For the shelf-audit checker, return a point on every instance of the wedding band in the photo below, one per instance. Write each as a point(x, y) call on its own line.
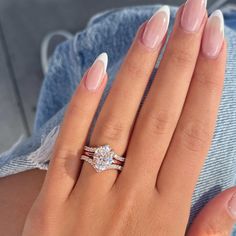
point(102, 158)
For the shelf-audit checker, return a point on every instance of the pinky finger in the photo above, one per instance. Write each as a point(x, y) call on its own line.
point(65, 165)
point(217, 217)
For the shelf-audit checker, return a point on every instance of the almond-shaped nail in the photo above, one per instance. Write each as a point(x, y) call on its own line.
point(193, 15)
point(232, 206)
point(96, 72)
point(156, 28)
point(213, 37)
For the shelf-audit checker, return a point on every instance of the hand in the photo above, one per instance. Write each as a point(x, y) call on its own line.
point(164, 144)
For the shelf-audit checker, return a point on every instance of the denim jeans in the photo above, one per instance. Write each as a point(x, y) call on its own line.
point(113, 31)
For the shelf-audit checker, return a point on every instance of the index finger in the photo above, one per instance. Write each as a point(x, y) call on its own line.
point(65, 164)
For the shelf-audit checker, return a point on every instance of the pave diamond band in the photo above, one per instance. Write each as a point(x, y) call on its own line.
point(110, 167)
point(102, 158)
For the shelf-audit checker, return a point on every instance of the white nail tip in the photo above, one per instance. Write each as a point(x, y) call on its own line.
point(219, 14)
point(166, 10)
point(103, 57)
point(205, 2)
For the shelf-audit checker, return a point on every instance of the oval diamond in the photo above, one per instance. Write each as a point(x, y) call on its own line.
point(103, 157)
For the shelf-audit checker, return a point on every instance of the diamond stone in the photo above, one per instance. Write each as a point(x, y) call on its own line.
point(103, 158)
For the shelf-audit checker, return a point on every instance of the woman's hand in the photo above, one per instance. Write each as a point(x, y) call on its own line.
point(164, 144)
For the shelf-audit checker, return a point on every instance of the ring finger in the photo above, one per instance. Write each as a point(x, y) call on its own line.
point(116, 119)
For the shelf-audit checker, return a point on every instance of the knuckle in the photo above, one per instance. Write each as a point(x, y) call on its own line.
point(75, 108)
point(212, 228)
point(181, 58)
point(161, 122)
point(65, 160)
point(128, 200)
point(113, 129)
point(127, 205)
point(64, 154)
point(195, 136)
point(136, 69)
point(208, 81)
point(128, 197)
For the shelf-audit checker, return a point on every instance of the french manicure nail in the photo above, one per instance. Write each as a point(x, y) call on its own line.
point(232, 206)
point(213, 35)
point(193, 14)
point(156, 28)
point(96, 72)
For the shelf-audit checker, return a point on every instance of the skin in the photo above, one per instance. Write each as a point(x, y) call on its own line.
point(18, 193)
point(165, 151)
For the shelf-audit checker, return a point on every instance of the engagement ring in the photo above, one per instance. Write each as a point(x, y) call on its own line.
point(102, 158)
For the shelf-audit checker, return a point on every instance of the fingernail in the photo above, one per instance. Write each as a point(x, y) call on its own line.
point(193, 14)
point(213, 37)
point(232, 206)
point(96, 72)
point(156, 28)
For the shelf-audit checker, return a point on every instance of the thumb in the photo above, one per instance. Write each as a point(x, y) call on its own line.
point(217, 218)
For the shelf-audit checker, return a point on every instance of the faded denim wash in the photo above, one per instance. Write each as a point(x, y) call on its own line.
point(113, 31)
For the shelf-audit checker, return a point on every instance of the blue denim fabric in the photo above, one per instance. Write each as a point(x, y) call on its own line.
point(113, 31)
point(230, 19)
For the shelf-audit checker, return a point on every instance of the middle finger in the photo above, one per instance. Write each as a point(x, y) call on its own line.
point(162, 108)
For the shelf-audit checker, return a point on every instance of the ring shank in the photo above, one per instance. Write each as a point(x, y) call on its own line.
point(90, 161)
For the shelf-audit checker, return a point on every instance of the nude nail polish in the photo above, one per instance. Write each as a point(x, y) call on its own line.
point(232, 206)
point(213, 35)
point(156, 28)
point(96, 72)
point(193, 15)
